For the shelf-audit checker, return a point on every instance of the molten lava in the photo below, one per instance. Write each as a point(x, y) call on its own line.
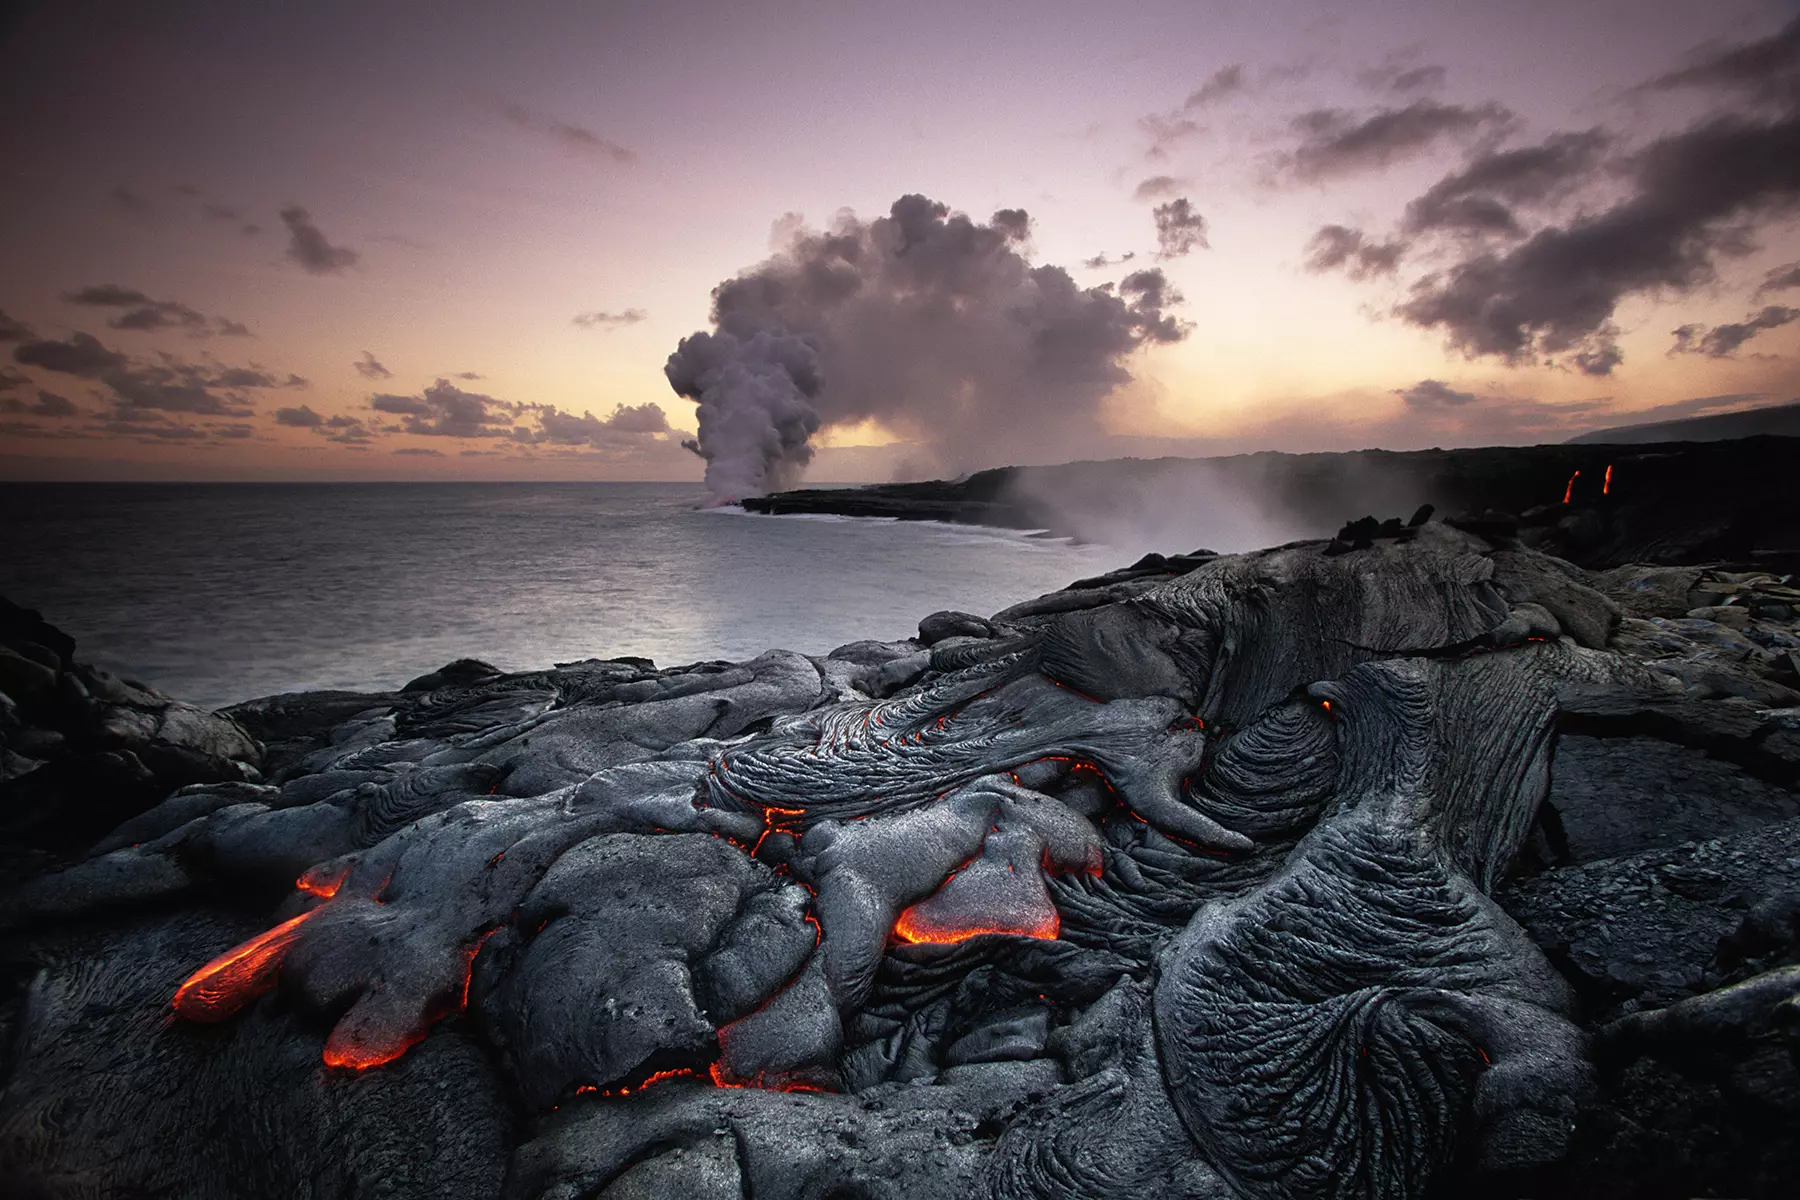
point(1606, 484)
point(1569, 491)
point(348, 1051)
point(322, 882)
point(235, 978)
point(918, 930)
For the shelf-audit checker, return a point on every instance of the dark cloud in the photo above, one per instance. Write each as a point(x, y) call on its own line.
point(1158, 187)
point(82, 355)
point(1179, 229)
point(47, 404)
point(299, 418)
point(1778, 279)
point(13, 331)
point(1433, 395)
point(468, 375)
point(1166, 131)
point(309, 247)
point(1767, 69)
point(172, 388)
point(1481, 197)
point(1722, 341)
point(1690, 197)
point(12, 381)
point(225, 327)
point(370, 367)
point(1100, 261)
point(1394, 77)
point(1336, 142)
point(1338, 247)
point(927, 321)
point(142, 313)
point(623, 424)
point(142, 430)
point(610, 320)
point(130, 201)
point(421, 451)
point(575, 137)
point(233, 432)
point(1015, 223)
point(445, 410)
point(1226, 81)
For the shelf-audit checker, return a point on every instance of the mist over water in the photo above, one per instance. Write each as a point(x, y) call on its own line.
point(220, 593)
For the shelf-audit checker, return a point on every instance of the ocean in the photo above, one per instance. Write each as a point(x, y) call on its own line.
point(217, 593)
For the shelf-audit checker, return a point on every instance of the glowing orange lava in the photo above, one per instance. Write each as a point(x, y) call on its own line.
point(321, 882)
point(229, 982)
point(469, 966)
point(1570, 490)
point(913, 928)
point(1606, 484)
point(349, 1052)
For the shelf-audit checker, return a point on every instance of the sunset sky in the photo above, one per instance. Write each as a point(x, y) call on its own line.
point(460, 240)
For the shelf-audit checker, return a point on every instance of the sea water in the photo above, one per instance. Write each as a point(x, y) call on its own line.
point(217, 593)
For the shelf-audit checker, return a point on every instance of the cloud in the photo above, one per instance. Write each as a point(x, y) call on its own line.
point(1157, 187)
point(225, 327)
point(142, 313)
point(130, 201)
point(1179, 229)
point(610, 320)
point(1165, 132)
point(925, 321)
point(47, 404)
point(1432, 394)
point(1778, 279)
point(623, 424)
point(1335, 142)
point(1226, 81)
point(421, 451)
point(1100, 260)
point(299, 418)
point(81, 355)
point(1767, 69)
point(309, 247)
point(468, 375)
point(572, 136)
point(370, 367)
point(445, 410)
point(1691, 195)
point(1480, 198)
point(1336, 247)
point(1394, 77)
point(14, 331)
point(1722, 341)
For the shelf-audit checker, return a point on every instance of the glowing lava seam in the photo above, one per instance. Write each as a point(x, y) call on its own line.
point(240, 975)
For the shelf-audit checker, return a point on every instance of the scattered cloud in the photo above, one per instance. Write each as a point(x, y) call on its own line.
point(1226, 81)
point(370, 367)
point(1100, 261)
point(624, 423)
point(47, 404)
point(302, 417)
point(572, 136)
point(1179, 229)
point(1166, 132)
point(610, 320)
point(144, 314)
point(1335, 142)
point(81, 355)
point(1778, 279)
point(309, 247)
point(14, 331)
point(1338, 247)
point(420, 451)
point(1481, 198)
point(1433, 395)
point(1723, 341)
point(1158, 187)
point(1395, 77)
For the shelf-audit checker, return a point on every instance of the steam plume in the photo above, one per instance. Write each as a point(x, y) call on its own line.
point(932, 324)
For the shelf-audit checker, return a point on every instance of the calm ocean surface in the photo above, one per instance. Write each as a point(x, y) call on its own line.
point(222, 592)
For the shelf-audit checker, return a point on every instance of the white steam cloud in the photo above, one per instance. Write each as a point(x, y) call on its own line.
point(932, 324)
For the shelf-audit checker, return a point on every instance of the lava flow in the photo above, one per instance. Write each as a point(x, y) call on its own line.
point(240, 975)
point(916, 930)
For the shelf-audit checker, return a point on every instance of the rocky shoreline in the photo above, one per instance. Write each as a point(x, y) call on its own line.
point(1416, 860)
point(1677, 502)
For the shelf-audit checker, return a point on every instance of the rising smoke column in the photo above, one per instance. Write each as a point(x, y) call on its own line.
point(924, 320)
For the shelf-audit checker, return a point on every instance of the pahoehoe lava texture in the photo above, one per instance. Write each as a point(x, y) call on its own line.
point(1313, 872)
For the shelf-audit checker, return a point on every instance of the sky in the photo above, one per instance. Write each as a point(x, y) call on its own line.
point(450, 240)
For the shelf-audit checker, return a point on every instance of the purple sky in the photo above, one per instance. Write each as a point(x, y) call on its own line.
point(456, 240)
